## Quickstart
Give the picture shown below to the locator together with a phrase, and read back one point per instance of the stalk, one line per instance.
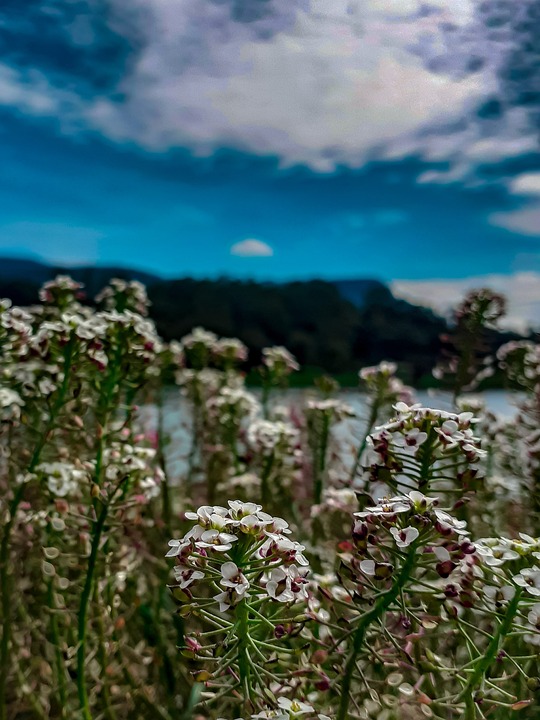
(106, 407)
(242, 614)
(320, 462)
(486, 660)
(83, 613)
(108, 711)
(58, 658)
(5, 579)
(374, 411)
(374, 614)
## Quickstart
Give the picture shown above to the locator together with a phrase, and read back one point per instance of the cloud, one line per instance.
(526, 220)
(526, 184)
(320, 82)
(252, 248)
(522, 290)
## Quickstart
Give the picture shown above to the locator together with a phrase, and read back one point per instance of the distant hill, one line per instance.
(334, 327)
(20, 278)
(26, 273)
(356, 291)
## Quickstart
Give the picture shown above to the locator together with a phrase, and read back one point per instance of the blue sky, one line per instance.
(276, 139)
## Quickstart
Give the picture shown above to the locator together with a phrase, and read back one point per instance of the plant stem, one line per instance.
(242, 613)
(5, 579)
(58, 659)
(374, 411)
(320, 462)
(374, 614)
(486, 660)
(83, 613)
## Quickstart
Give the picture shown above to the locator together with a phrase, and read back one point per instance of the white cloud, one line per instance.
(526, 220)
(252, 248)
(526, 184)
(443, 177)
(521, 289)
(498, 148)
(321, 84)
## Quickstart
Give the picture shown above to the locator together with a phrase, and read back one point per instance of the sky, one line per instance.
(277, 139)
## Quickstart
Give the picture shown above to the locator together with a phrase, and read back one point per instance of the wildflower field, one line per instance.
(286, 570)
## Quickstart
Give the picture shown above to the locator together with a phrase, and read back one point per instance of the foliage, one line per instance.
(261, 557)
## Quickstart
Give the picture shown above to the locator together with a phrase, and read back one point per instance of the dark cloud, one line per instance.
(74, 44)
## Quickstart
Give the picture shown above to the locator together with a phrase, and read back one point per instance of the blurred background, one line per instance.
(331, 175)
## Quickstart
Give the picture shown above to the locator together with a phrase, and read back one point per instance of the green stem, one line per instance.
(369, 427)
(5, 578)
(487, 659)
(242, 614)
(108, 711)
(384, 602)
(83, 613)
(265, 475)
(160, 458)
(58, 658)
(320, 464)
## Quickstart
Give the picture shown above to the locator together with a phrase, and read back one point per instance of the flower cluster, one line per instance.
(288, 709)
(331, 408)
(266, 436)
(61, 293)
(409, 520)
(279, 361)
(124, 295)
(242, 552)
(423, 448)
(383, 387)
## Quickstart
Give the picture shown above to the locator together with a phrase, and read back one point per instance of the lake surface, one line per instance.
(176, 420)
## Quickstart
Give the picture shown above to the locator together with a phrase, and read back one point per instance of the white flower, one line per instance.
(279, 359)
(232, 577)
(294, 707)
(225, 600)
(498, 595)
(496, 551)
(410, 441)
(219, 541)
(368, 567)
(387, 507)
(185, 576)
(448, 523)
(62, 478)
(200, 336)
(534, 616)
(405, 536)
(279, 586)
(207, 514)
(287, 584)
(177, 547)
(239, 509)
(529, 578)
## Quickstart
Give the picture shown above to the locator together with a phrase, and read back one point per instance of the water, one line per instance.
(176, 419)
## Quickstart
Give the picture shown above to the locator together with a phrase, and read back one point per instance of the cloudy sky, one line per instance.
(395, 139)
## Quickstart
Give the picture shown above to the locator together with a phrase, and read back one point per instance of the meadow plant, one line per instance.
(465, 363)
(401, 587)
(277, 364)
(383, 390)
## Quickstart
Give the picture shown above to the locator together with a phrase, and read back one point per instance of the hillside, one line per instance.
(336, 327)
